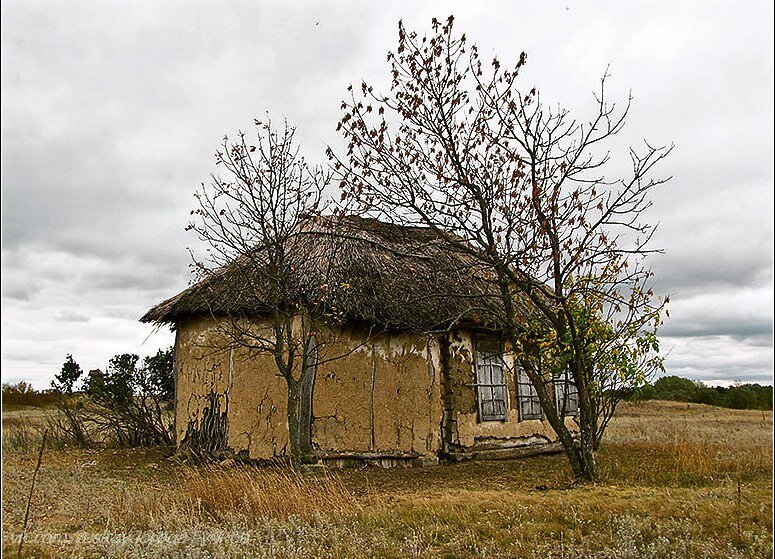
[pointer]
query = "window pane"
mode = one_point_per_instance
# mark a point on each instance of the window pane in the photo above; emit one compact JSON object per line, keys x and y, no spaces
{"x":487,"y":372}
{"x":490,"y":383}
{"x":561,"y":396}
{"x":573,"y":399}
{"x":497,"y":374}
{"x":567,"y":395}
{"x":530,"y":405}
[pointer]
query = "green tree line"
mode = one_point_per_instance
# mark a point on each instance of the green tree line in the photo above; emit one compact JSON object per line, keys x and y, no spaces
{"x":678,"y":389}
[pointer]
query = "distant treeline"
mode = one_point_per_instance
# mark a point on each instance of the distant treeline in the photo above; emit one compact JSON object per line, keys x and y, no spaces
{"x":126,"y":376}
{"x":23,"y":394}
{"x":739,"y":397}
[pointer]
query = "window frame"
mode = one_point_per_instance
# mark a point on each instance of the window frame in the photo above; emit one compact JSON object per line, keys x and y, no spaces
{"x":526,"y":393}
{"x":564,"y":381}
{"x":489,"y":353}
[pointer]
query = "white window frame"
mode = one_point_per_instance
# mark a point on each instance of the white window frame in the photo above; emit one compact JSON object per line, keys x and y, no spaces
{"x":491,"y":393}
{"x":529,"y":404}
{"x":567,"y":395}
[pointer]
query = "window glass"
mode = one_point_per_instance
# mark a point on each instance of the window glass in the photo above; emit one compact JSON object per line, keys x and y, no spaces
{"x":529,"y":404}
{"x":490,"y":385}
{"x":567,"y":395}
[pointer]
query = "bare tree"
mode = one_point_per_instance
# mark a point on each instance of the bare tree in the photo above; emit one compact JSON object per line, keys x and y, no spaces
{"x":254,"y":219}
{"x":520,"y":187}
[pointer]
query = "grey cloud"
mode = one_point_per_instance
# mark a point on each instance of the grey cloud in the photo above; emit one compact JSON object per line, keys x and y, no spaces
{"x":742,"y":314}
{"x":763,"y":340}
{"x":125,"y":313}
{"x":69,"y":316}
{"x":759,"y":331}
{"x":21,"y":292}
{"x":745,"y":377}
{"x":111,"y":114}
{"x":717,"y":357}
{"x":704,"y":251}
{"x":706,"y":269}
{"x":140,"y":280}
{"x":19,"y":283}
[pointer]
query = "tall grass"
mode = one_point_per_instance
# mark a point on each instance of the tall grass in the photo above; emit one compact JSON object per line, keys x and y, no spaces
{"x":19,"y":436}
{"x":241,"y":495}
{"x":686,"y":444}
{"x":24,"y":435}
{"x":683,"y":481}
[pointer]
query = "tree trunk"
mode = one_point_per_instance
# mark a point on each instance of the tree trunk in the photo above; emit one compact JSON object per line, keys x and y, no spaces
{"x":580,"y":456}
{"x":587,"y":422}
{"x":589,"y":465}
{"x":588,"y":428}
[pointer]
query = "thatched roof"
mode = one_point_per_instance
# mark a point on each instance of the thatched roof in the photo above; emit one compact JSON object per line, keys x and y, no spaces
{"x":351,"y":270}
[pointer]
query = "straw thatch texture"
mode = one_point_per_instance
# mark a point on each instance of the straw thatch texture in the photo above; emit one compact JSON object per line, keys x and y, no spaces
{"x":350,"y":270}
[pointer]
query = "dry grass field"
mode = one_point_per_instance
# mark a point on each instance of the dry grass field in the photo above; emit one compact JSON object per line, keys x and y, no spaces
{"x":679,"y":480}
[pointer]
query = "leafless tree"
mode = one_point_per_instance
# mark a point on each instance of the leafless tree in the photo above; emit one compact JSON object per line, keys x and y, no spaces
{"x":258,"y":220}
{"x":456,"y":146}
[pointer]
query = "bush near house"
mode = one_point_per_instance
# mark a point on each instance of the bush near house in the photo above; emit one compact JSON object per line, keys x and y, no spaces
{"x":127,"y":405}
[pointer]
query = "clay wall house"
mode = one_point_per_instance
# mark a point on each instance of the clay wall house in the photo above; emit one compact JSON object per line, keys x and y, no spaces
{"x":411,"y":369}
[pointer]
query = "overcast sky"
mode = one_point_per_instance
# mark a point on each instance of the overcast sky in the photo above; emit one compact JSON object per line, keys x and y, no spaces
{"x":111,"y":112}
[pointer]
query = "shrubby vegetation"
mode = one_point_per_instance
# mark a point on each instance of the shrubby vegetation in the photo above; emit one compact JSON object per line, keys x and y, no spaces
{"x":739,"y":396}
{"x":126,"y":405}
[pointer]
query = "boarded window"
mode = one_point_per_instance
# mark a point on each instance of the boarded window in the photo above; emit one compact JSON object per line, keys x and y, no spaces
{"x":567,"y":395}
{"x":490,"y":383}
{"x":529,"y":404}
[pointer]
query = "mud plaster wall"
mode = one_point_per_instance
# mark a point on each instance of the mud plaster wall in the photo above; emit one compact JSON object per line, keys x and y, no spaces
{"x":383,"y":396}
{"x":201,"y":368}
{"x":246,"y":388}
{"x":465,"y":428}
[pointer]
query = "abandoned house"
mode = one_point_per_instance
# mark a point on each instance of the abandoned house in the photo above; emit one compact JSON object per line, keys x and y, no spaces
{"x":405,"y":366}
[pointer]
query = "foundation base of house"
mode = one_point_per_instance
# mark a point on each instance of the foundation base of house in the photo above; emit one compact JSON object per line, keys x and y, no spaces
{"x":344,"y":460}
{"x":503,"y":453}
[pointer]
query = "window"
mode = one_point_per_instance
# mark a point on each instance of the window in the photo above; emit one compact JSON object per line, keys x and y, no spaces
{"x":490,"y":384}
{"x":529,"y":404}
{"x":567,"y":395}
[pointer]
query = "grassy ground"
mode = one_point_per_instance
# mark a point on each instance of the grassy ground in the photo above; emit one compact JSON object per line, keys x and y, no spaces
{"x":679,"y":480}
